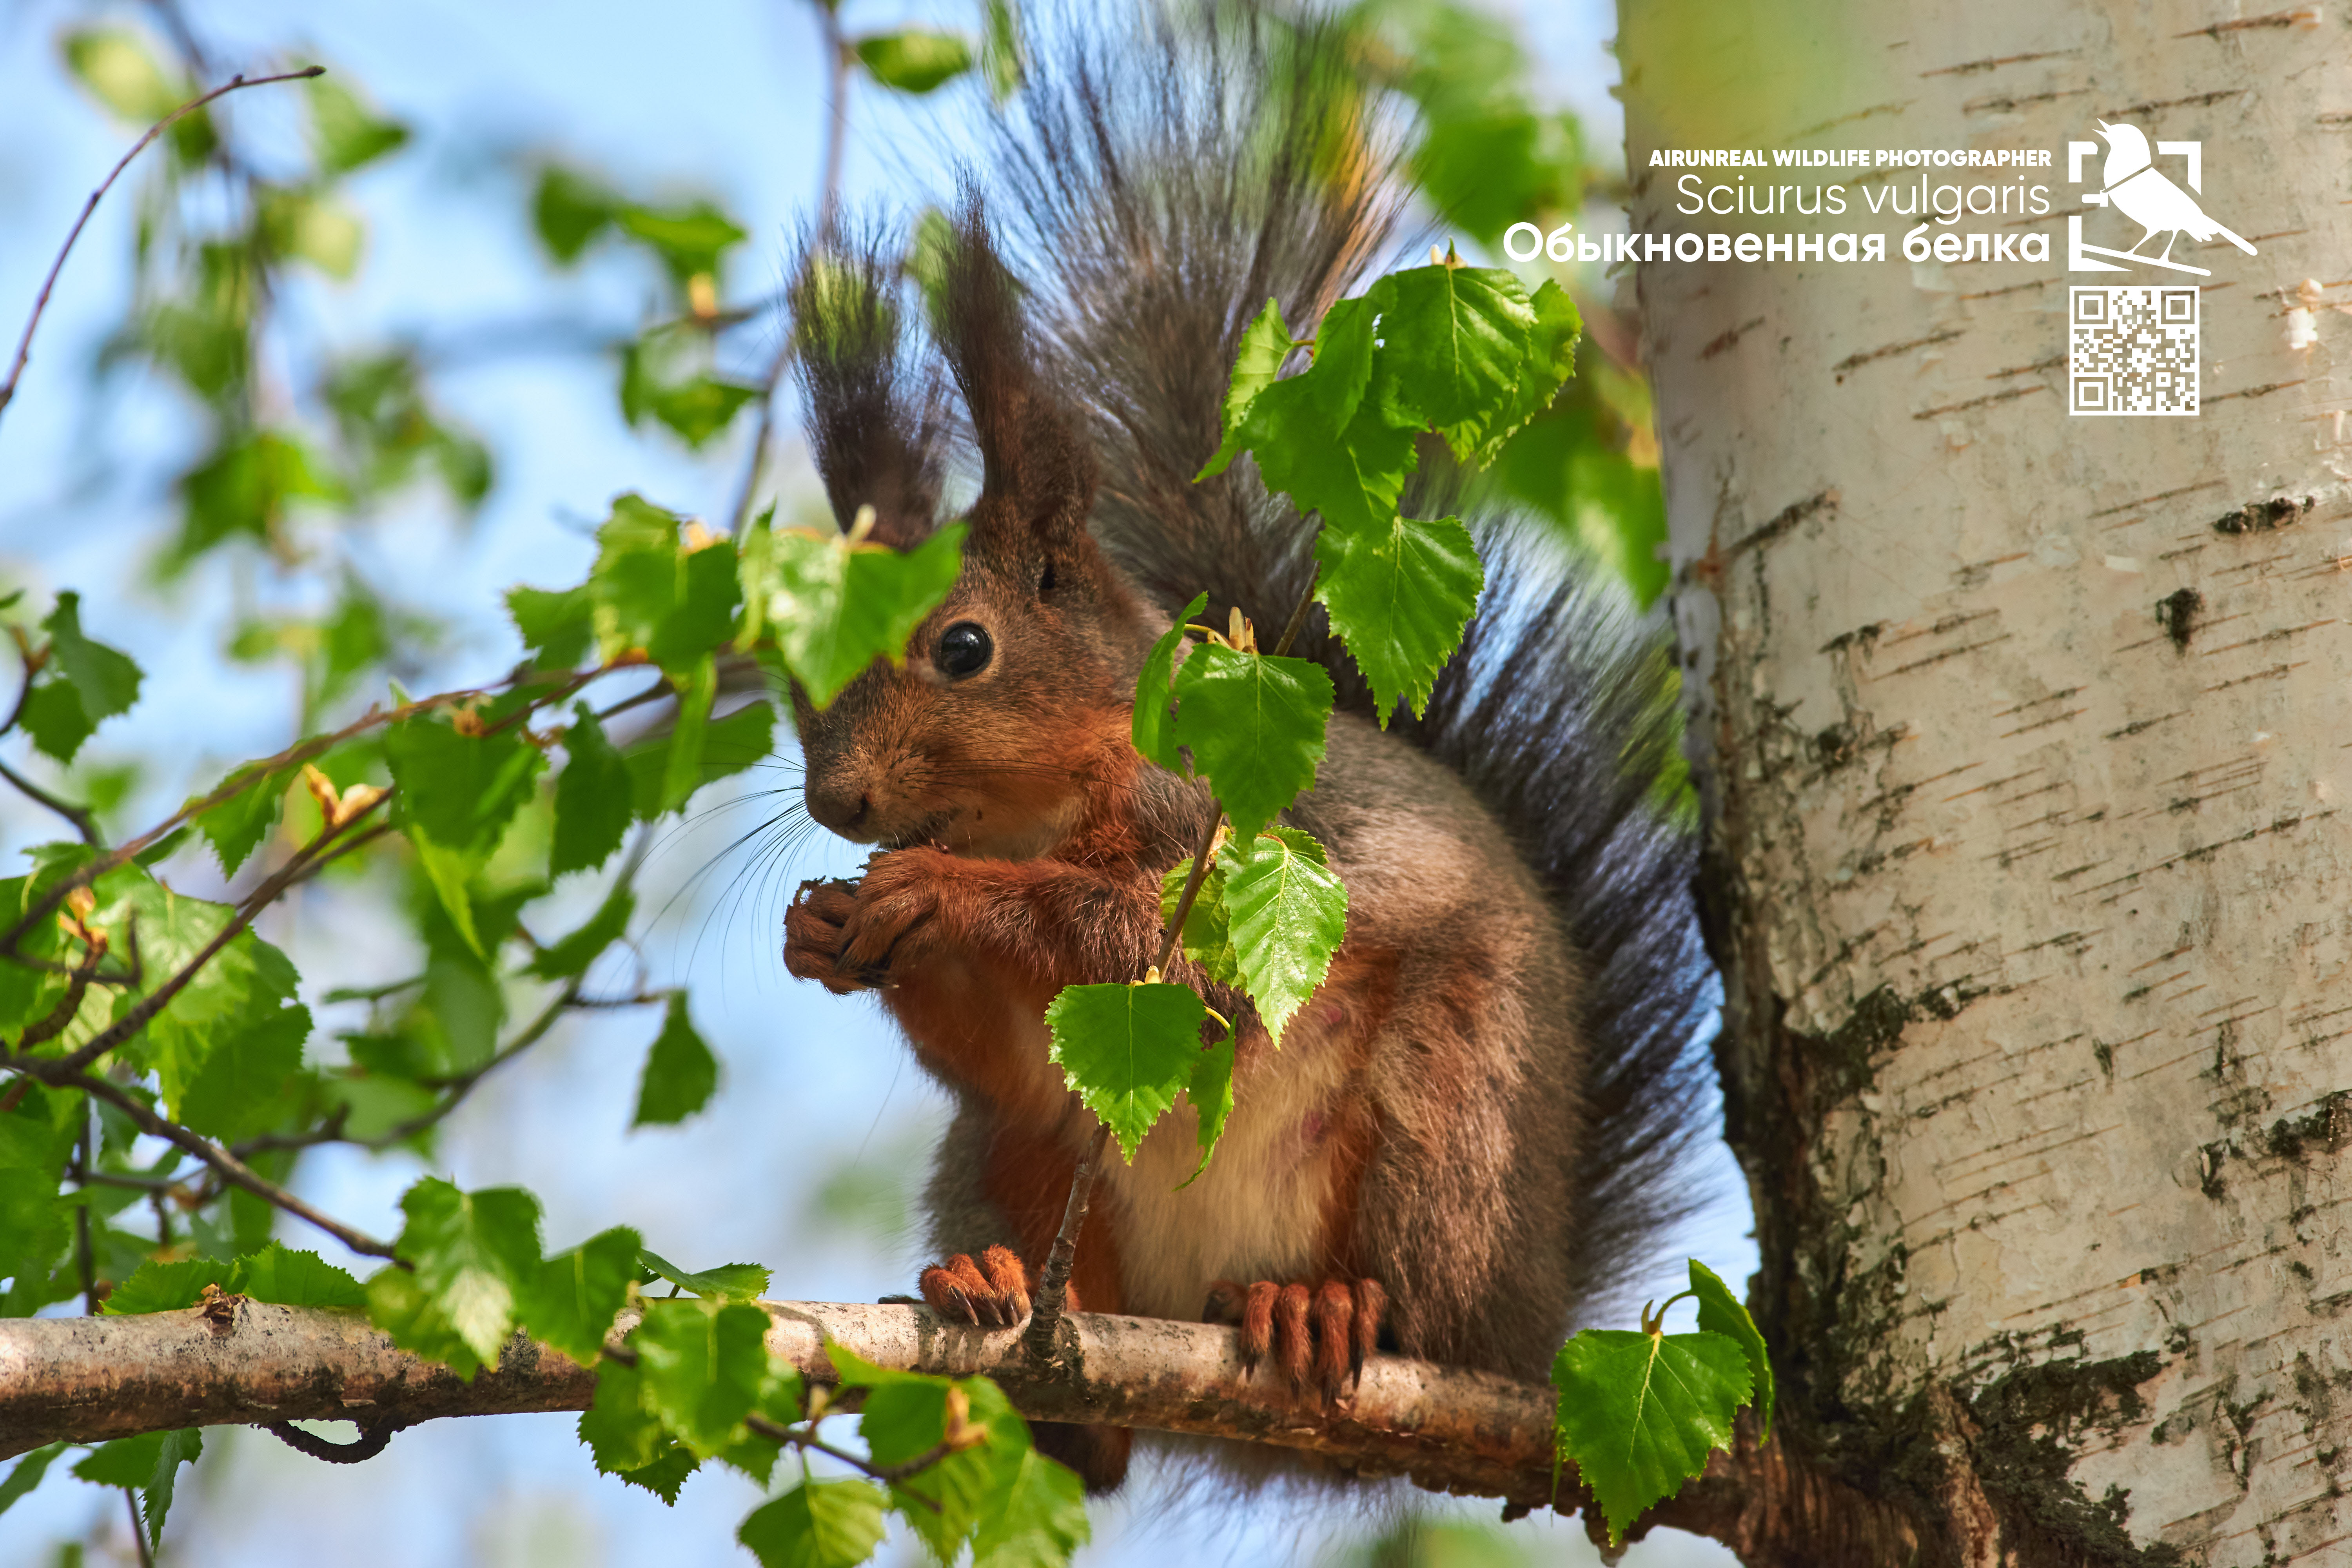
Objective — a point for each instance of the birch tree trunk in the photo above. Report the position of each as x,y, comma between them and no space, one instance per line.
2025,748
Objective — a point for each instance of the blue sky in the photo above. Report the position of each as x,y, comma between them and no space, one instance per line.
717,96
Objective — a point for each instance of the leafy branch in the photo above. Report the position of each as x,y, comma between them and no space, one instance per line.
41,301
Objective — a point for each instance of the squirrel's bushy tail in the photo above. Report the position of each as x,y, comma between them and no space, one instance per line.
1155,187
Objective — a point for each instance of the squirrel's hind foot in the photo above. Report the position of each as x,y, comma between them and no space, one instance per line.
992,1293
1318,1333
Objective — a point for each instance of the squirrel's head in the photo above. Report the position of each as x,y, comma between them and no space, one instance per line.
1016,694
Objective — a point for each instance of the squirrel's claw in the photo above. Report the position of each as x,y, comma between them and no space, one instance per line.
1317,1334
814,937
992,1293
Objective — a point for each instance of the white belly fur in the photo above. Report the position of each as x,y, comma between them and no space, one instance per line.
1256,1211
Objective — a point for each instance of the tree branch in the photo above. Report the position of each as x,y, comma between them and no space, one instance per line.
24,344
83,822
1447,1428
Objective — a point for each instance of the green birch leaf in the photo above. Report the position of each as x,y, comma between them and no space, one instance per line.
52,716
729,745
703,618
700,1366
1287,914
689,239
571,1299
837,607
1318,439
180,1448
1003,59
571,955
1399,594
984,1494
472,1252
27,1473
626,1440
1254,725
1153,725
459,790
105,679
755,573
680,1072
817,1524
1037,1517
1550,361
450,873
123,1462
1211,1094
1208,942
1638,1413
344,132
667,1473
416,1322
682,762
114,63
230,1042
237,827
1127,1050
568,210
156,1287
293,1277
557,628
1454,344
148,1464
594,800
1266,343
729,1282
914,59
1721,1312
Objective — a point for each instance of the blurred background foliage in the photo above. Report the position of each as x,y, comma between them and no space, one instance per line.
328,374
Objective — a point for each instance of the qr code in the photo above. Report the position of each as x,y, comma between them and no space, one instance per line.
2133,351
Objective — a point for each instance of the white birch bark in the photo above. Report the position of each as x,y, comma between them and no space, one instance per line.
2041,1023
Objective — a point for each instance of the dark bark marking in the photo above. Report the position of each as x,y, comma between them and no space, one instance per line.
2263,516
2176,613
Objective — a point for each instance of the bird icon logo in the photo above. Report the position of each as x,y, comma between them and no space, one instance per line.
2133,186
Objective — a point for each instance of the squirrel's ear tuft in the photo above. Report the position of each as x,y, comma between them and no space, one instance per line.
1037,474
875,424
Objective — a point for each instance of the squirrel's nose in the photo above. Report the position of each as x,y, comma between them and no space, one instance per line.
841,807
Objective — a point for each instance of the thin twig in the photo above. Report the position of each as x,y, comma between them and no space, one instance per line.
84,823
76,987
24,344
247,777
331,1131
1052,1292
888,1475
838,57
231,1168
138,1530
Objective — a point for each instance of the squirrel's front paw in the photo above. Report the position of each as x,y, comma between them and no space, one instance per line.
898,896
813,935
1321,1332
992,1293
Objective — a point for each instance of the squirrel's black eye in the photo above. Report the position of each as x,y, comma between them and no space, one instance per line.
964,649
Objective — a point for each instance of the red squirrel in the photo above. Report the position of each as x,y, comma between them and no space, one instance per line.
1468,1132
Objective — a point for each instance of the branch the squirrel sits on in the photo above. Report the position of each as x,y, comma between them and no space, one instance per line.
1464,1144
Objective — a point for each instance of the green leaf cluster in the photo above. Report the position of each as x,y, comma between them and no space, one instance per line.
1467,353
1639,1411
81,682
475,1275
